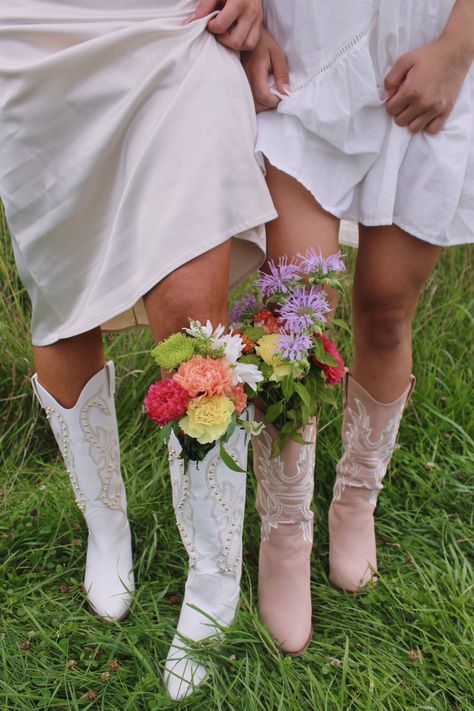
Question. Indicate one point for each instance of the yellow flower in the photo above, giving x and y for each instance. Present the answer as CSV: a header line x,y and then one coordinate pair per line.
x,y
280,371
265,348
207,420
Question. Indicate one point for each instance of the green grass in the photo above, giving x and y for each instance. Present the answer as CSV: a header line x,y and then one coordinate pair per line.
x,y
360,656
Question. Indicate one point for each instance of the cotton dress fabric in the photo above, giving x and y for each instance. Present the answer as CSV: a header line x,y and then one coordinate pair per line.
x,y
333,134
127,145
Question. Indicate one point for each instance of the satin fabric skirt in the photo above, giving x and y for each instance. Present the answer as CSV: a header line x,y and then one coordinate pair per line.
x,y
127,148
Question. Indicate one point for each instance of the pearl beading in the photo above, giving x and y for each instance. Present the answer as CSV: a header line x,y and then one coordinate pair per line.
x,y
182,506
63,440
231,515
108,453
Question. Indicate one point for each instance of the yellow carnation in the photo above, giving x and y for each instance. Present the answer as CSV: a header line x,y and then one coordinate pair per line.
x,y
207,420
266,347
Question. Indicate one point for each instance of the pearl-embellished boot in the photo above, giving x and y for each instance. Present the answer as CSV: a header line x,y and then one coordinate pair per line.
x,y
209,503
88,438
369,433
284,496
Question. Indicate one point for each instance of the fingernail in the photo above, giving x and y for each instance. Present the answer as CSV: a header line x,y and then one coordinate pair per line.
x,y
287,89
189,19
383,95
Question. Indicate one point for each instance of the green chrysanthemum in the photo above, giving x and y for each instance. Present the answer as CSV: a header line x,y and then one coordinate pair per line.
x,y
173,351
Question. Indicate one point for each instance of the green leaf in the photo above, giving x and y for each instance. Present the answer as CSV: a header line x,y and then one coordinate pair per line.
x,y
229,461
287,386
297,437
273,411
341,324
303,393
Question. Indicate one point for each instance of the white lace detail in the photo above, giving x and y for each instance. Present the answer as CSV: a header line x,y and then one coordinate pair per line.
x,y
286,498
184,513
61,433
103,450
365,461
228,513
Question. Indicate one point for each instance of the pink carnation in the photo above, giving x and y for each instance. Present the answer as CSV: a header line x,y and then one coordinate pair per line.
x,y
205,377
166,401
239,397
334,373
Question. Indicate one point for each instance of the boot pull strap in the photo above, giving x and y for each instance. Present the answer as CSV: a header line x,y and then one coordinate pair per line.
x,y
110,371
410,390
34,385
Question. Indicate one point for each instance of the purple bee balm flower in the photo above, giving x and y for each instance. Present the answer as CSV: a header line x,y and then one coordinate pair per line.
x,y
246,306
281,276
312,262
304,310
294,346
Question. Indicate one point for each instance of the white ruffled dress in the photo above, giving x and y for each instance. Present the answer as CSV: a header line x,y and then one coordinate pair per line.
x,y
127,148
332,133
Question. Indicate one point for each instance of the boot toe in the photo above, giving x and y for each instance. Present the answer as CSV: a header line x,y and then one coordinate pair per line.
x,y
292,636
110,608
182,674
353,578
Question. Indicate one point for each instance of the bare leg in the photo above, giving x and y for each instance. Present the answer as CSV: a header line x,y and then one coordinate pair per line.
x,y
66,366
301,223
391,270
197,290
285,483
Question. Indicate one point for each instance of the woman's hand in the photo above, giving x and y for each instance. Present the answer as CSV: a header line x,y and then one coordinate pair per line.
x,y
238,24
267,58
423,86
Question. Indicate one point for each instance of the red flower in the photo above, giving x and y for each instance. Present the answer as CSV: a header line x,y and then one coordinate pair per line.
x,y
266,320
166,401
334,373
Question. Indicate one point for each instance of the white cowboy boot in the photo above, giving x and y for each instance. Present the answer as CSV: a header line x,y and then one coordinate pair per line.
x,y
88,438
284,496
369,434
209,503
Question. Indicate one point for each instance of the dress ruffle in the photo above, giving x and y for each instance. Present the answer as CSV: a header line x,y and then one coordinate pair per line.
x,y
333,134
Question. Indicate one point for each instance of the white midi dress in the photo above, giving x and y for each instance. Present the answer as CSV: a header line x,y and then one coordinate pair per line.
x,y
127,148
333,134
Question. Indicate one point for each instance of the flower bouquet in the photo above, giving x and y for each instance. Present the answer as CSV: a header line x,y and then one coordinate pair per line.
x,y
282,320
204,397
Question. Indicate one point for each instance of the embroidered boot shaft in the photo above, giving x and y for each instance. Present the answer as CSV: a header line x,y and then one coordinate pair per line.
x,y
88,439
284,496
369,434
209,504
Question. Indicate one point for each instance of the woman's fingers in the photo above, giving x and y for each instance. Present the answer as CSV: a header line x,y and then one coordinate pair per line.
x,y
238,24
204,8
397,74
420,123
263,97
279,69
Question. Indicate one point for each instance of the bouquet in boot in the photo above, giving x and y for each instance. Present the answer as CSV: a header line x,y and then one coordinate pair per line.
x,y
282,320
204,397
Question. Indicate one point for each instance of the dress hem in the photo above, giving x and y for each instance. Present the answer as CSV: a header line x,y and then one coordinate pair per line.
x,y
366,222
233,232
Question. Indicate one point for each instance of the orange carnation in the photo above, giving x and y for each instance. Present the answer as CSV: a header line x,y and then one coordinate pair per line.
x,y
204,377
239,398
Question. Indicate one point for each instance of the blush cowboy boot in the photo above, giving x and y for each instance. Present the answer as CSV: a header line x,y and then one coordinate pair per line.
x,y
88,438
369,434
209,503
284,495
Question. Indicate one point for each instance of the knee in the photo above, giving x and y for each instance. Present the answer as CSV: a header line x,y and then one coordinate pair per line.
x,y
386,325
